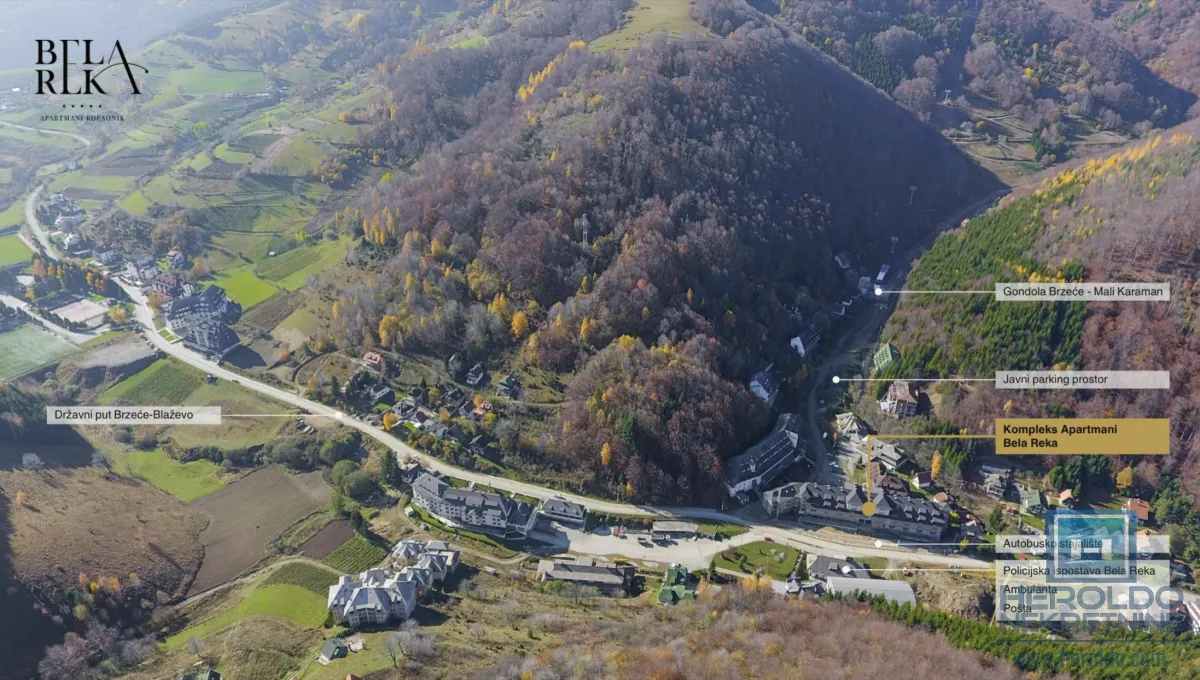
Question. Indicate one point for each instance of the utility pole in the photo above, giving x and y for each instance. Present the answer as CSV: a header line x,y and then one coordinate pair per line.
x,y
912,191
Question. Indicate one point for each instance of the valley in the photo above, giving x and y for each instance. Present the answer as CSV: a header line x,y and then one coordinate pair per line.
x,y
692,299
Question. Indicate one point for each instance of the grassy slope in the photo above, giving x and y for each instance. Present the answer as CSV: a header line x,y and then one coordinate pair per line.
x,y
244,287
292,602
13,249
163,382
185,481
647,19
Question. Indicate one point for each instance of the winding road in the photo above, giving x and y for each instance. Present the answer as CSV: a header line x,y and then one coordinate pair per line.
x,y
817,542
34,226
812,541
44,131
31,200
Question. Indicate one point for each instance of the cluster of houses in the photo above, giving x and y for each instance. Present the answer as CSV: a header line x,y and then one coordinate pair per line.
x,y
382,595
914,518
66,215
421,410
897,511
201,318
203,321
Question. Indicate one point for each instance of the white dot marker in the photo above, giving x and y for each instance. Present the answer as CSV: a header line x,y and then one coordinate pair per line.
x,y
878,290
878,544
338,415
836,380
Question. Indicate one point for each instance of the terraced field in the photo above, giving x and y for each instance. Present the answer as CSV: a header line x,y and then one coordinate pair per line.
x,y
355,555
164,382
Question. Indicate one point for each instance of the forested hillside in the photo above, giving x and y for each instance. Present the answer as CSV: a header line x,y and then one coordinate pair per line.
x,y
1036,81
1165,34
1123,217
680,199
748,633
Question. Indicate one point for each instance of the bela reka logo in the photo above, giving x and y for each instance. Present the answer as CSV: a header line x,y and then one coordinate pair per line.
x,y
59,52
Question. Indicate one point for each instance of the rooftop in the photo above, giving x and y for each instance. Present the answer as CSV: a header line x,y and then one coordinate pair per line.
x,y
893,591
768,456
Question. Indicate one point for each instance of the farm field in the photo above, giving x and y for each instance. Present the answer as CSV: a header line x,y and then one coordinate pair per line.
x,y
165,382
244,287
646,19
115,184
355,555
204,80
292,269
252,246
328,539
257,648
13,214
246,514
185,481
232,156
308,576
29,347
13,249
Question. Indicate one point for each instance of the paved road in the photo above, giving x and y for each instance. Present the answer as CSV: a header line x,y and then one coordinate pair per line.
x,y
809,540
862,335
34,226
698,554
31,200
60,133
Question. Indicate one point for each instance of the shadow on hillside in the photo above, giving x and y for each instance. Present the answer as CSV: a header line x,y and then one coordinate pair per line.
x,y
55,446
24,628
245,358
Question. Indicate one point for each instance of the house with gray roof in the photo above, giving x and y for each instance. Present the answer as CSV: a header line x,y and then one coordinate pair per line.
x,y
609,578
333,648
892,591
564,511
486,512
823,567
408,551
764,385
761,463
376,597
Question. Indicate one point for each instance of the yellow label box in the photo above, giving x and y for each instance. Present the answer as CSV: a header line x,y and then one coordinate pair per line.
x,y
1082,436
